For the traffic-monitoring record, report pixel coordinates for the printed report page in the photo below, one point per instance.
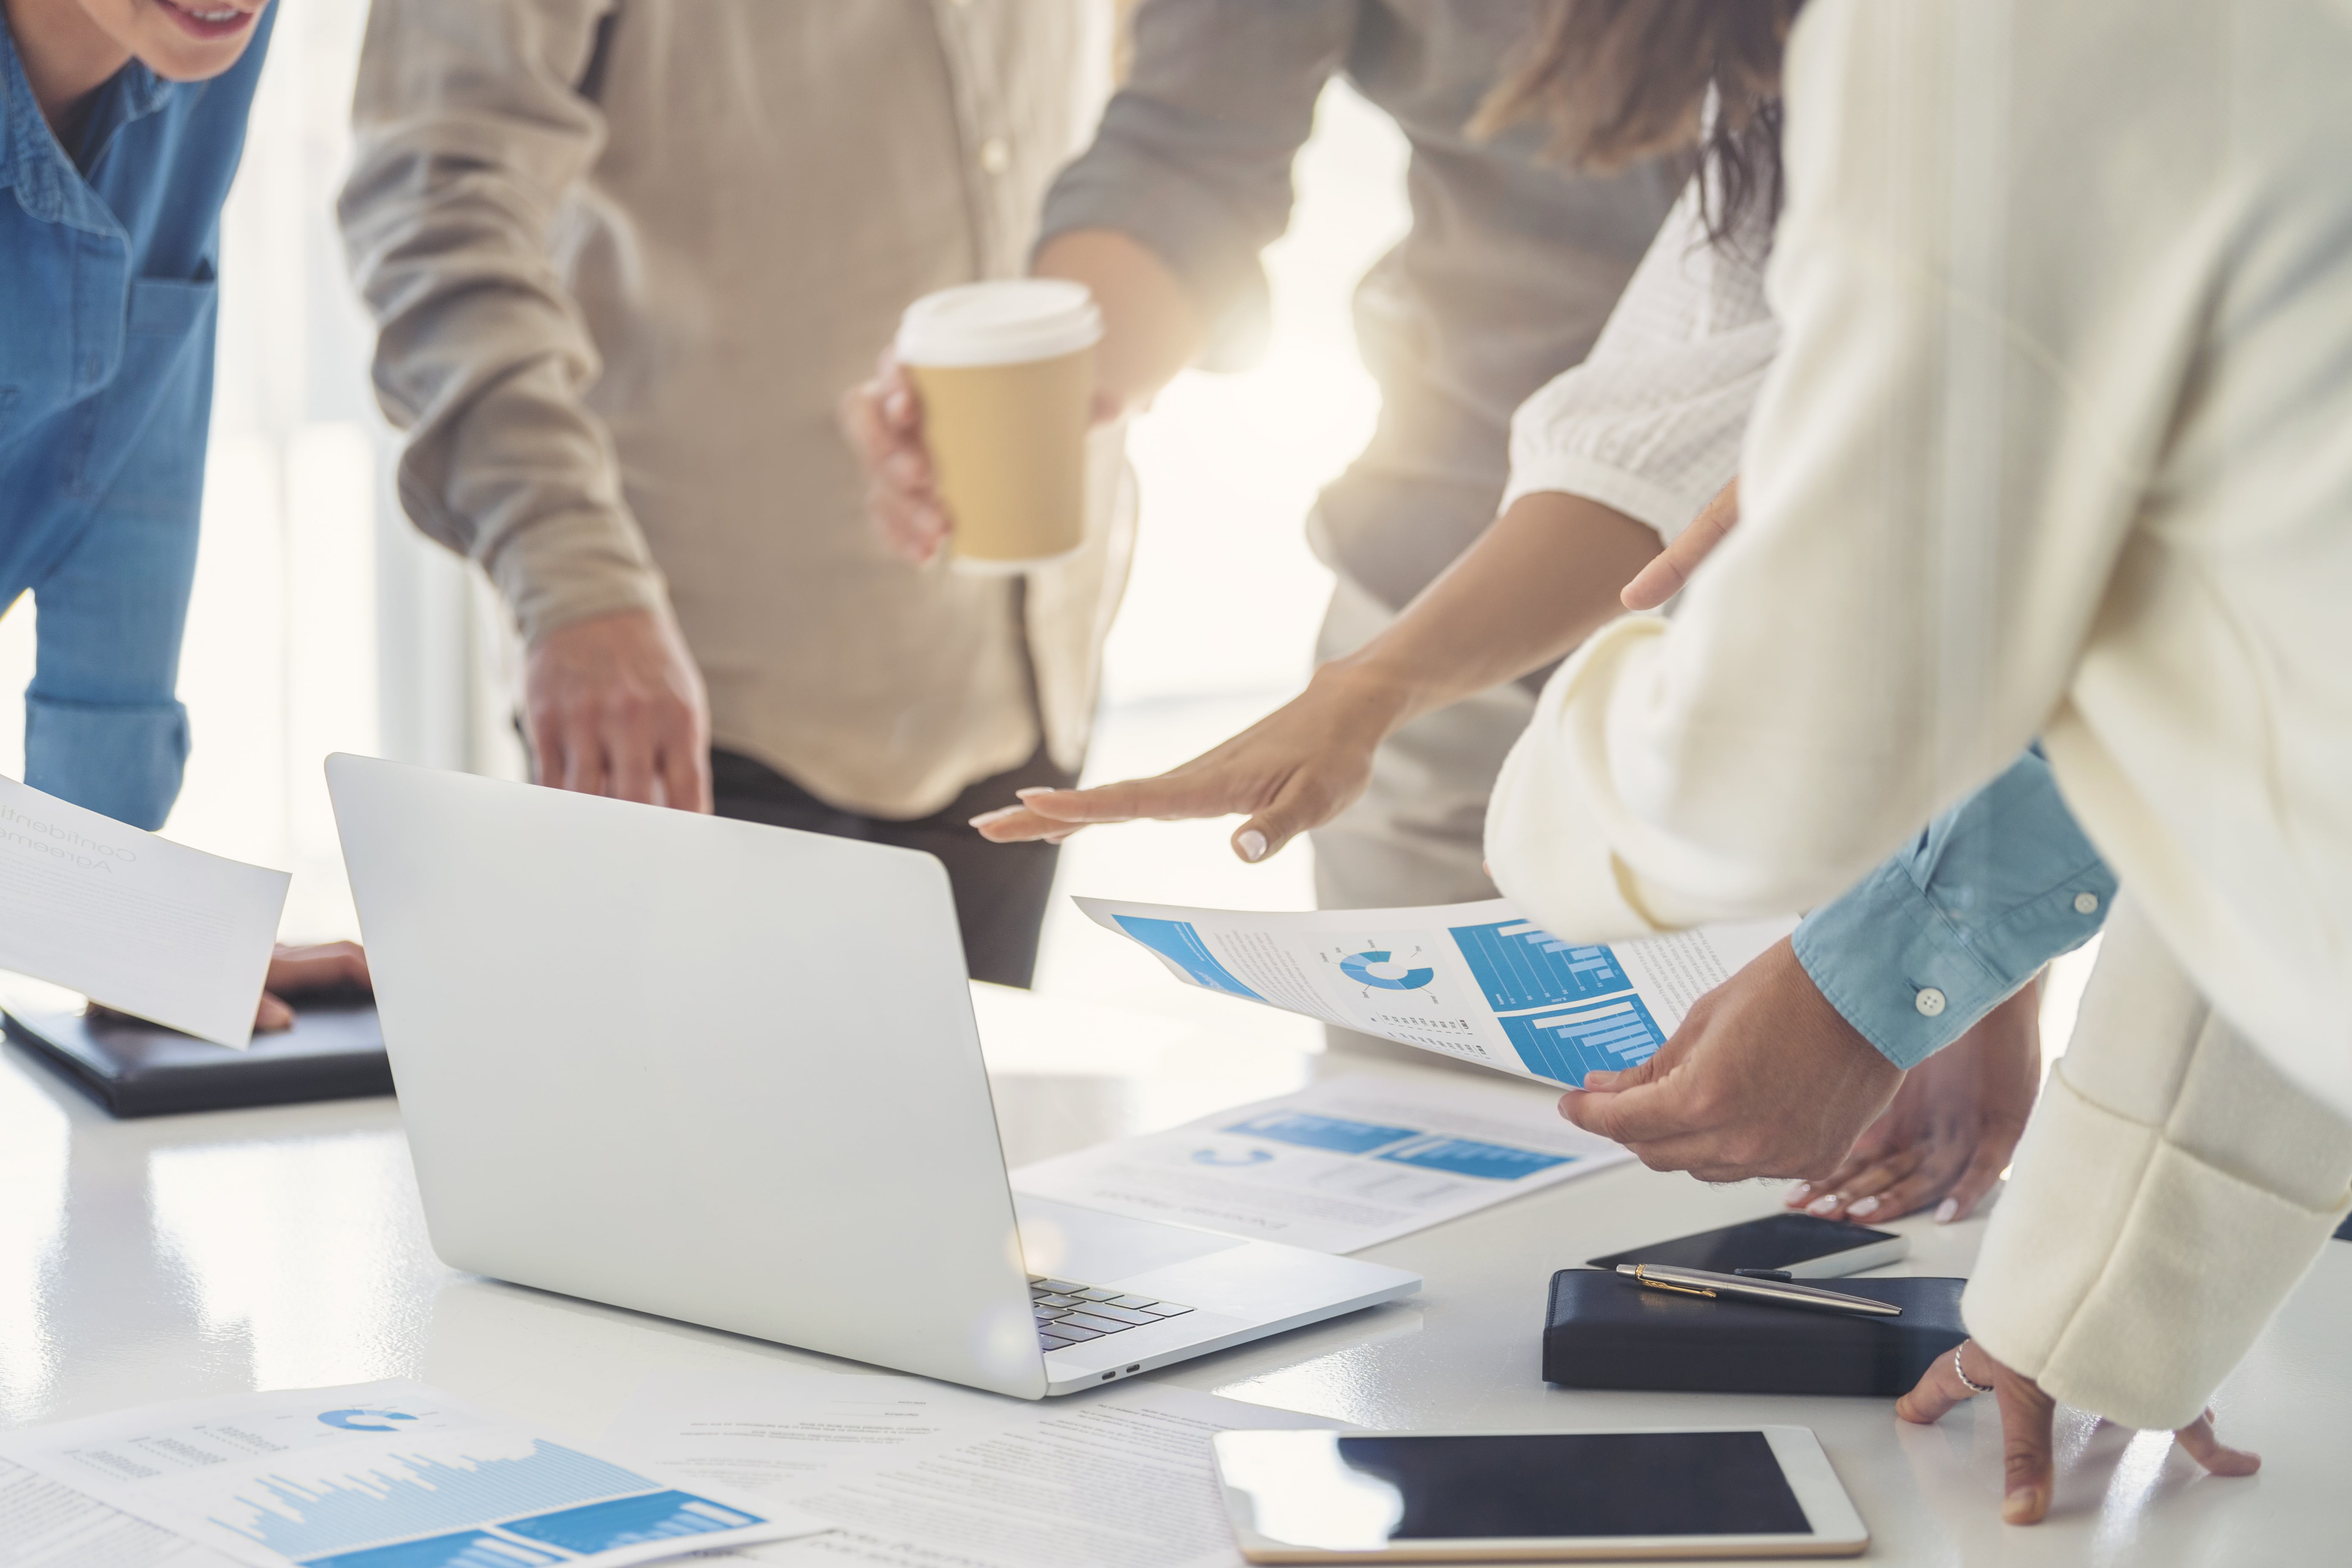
(1473, 982)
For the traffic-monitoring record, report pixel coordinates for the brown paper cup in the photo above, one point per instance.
(1005, 372)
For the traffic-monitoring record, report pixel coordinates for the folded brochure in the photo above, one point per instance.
(1479, 981)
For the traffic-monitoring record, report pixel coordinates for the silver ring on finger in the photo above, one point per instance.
(1970, 1384)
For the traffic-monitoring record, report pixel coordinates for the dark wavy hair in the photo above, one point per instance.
(1620, 81)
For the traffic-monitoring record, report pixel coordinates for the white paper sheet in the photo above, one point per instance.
(1475, 982)
(772, 1432)
(47, 1524)
(366, 1475)
(139, 923)
(1120, 1476)
(1338, 1166)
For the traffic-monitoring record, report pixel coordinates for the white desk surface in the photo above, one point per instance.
(283, 1248)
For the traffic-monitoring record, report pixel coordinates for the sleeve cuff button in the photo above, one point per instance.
(2086, 903)
(1929, 1001)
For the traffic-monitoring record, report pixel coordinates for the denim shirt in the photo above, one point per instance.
(1942, 931)
(108, 251)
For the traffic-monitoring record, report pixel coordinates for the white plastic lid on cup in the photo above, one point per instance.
(1009, 321)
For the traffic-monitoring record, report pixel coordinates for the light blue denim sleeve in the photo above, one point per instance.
(1941, 934)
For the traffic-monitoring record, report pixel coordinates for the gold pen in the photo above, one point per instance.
(1772, 1292)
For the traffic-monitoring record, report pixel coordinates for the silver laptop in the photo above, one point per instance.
(728, 1073)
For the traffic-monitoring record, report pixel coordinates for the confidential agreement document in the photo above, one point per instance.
(775, 1431)
(1118, 1476)
(141, 924)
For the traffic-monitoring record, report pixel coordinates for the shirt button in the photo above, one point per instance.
(1929, 1002)
(2086, 903)
(995, 156)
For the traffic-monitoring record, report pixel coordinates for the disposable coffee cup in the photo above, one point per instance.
(1005, 371)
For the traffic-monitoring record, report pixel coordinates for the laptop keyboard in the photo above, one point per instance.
(1071, 1315)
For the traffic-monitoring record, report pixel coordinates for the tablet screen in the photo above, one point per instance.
(1362, 1493)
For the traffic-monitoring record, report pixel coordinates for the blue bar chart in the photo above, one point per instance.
(1474, 1157)
(1311, 1131)
(1566, 1008)
(418, 1510)
(1565, 1045)
(1520, 965)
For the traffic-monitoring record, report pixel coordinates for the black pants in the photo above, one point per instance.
(999, 889)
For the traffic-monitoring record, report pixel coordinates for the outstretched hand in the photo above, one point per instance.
(1295, 769)
(2027, 1419)
(1763, 1078)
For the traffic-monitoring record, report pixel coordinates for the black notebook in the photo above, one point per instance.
(1605, 1331)
(334, 1051)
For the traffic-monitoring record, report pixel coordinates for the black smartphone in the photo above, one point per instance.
(1798, 1245)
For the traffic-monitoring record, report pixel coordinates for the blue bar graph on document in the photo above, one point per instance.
(1563, 1046)
(398, 1512)
(1520, 965)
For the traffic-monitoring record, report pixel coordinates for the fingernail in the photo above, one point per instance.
(1798, 1194)
(2023, 1506)
(1867, 1206)
(985, 817)
(1036, 789)
(1945, 1210)
(1599, 1078)
(1823, 1204)
(1252, 844)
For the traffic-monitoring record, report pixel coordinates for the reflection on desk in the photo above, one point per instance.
(283, 1248)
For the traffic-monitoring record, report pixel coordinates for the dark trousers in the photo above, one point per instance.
(1001, 890)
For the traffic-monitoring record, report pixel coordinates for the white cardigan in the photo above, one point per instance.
(2058, 442)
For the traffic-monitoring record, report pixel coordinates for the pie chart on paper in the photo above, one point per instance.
(1377, 969)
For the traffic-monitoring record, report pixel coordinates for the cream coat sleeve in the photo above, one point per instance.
(2170, 1190)
(1934, 486)
(472, 135)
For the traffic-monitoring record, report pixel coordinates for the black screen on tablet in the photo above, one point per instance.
(1581, 1484)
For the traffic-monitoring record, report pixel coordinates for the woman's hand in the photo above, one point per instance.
(1950, 1129)
(1297, 768)
(2026, 1416)
(1666, 573)
(298, 970)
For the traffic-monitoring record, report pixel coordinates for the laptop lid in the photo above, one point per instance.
(712, 1069)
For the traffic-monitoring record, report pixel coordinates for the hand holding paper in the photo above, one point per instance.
(136, 922)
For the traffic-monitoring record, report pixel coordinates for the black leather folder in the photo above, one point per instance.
(1605, 1331)
(334, 1051)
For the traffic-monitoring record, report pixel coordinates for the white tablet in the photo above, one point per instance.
(1535, 1497)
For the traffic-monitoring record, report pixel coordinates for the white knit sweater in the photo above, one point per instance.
(2058, 442)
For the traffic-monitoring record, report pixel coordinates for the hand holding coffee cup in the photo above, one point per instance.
(1004, 372)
